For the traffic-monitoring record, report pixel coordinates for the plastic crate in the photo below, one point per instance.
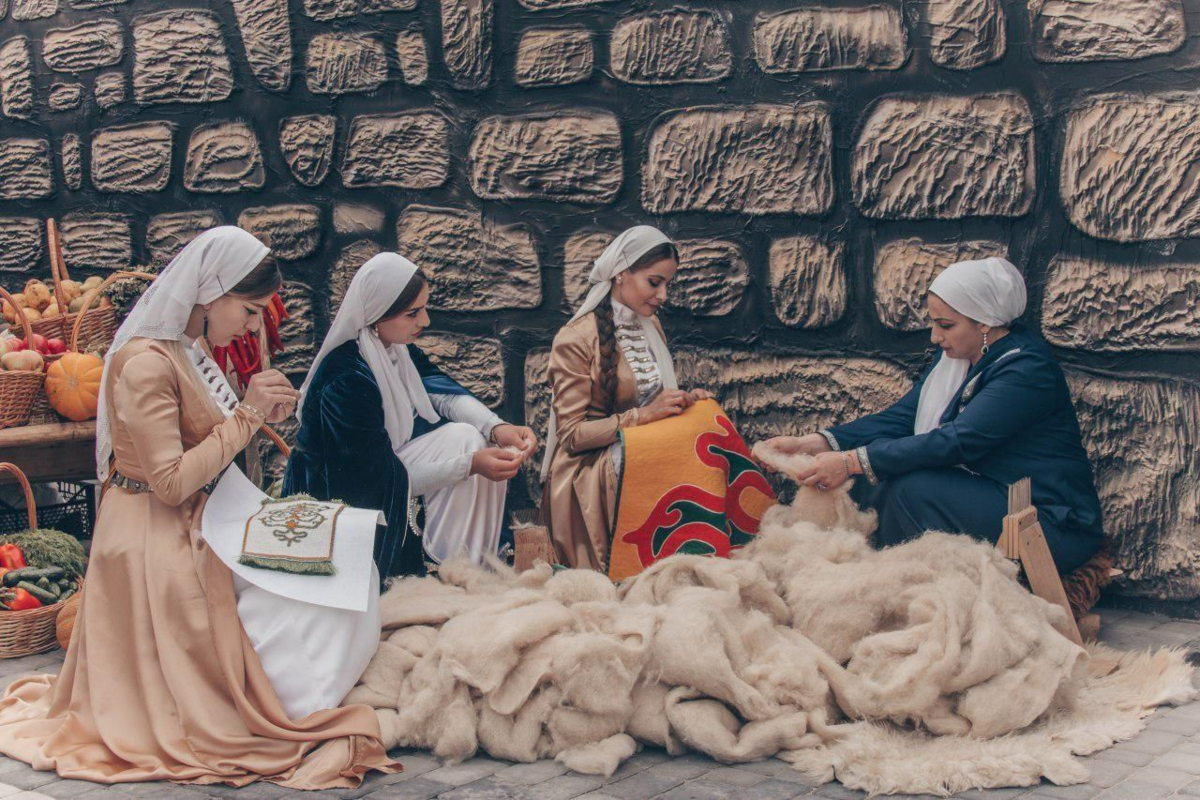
(74, 515)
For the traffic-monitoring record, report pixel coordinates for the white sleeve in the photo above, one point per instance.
(464, 408)
(429, 476)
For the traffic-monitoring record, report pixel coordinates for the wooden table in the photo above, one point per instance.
(61, 451)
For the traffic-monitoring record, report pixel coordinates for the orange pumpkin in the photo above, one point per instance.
(73, 385)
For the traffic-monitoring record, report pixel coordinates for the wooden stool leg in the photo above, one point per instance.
(1043, 574)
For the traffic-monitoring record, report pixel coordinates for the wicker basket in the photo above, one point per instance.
(96, 326)
(24, 633)
(77, 337)
(18, 390)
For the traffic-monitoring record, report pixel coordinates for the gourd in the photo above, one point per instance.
(73, 385)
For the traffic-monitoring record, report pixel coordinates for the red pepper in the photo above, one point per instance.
(19, 600)
(11, 557)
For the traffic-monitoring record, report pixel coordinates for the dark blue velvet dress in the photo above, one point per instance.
(1012, 418)
(343, 451)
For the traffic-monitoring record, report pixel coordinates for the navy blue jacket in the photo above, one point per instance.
(1012, 418)
(343, 451)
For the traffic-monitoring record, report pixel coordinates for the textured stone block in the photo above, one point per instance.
(904, 269)
(555, 5)
(808, 281)
(814, 39)
(1141, 436)
(384, 6)
(223, 157)
(473, 264)
(90, 4)
(1096, 306)
(91, 45)
(945, 158)
(713, 274)
(1104, 30)
(1127, 167)
(467, 42)
(20, 243)
(16, 78)
(409, 149)
(307, 146)
(413, 56)
(352, 257)
(965, 34)
(772, 395)
(325, 10)
(179, 57)
(565, 155)
(267, 38)
(167, 234)
(356, 220)
(133, 158)
(298, 331)
(476, 362)
(96, 241)
(755, 159)
(554, 56)
(27, 10)
(72, 161)
(66, 96)
(671, 47)
(292, 231)
(110, 89)
(344, 63)
(25, 169)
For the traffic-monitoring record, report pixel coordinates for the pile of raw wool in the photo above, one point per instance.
(925, 668)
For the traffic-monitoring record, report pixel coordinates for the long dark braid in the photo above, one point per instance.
(607, 330)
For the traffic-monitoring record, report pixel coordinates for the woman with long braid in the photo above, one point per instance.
(610, 370)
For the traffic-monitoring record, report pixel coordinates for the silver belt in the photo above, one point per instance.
(141, 487)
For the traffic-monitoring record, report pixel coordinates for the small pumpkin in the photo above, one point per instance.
(73, 385)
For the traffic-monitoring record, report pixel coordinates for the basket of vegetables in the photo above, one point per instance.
(40, 570)
(21, 372)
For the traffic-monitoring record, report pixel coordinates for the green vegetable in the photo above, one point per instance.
(31, 574)
(47, 598)
(45, 548)
(66, 595)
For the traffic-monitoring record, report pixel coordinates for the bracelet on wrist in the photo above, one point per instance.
(253, 410)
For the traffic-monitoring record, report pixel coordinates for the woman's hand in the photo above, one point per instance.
(830, 470)
(668, 403)
(271, 392)
(522, 438)
(496, 464)
(701, 394)
(809, 445)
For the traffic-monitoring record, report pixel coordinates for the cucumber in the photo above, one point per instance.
(31, 574)
(44, 583)
(47, 598)
(66, 595)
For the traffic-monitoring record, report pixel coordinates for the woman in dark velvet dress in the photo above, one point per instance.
(381, 425)
(994, 408)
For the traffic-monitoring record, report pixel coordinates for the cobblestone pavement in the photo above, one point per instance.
(1163, 761)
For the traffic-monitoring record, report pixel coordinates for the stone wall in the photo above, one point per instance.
(819, 163)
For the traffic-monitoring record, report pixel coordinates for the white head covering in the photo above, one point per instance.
(372, 291)
(990, 291)
(212, 264)
(620, 255)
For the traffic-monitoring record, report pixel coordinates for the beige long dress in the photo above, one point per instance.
(160, 681)
(581, 490)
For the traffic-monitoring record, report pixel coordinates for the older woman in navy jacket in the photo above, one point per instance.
(992, 409)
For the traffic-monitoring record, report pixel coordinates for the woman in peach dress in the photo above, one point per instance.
(161, 681)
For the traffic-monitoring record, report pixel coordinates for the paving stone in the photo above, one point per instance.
(735, 776)
(23, 776)
(9, 791)
(993, 794)
(1192, 789)
(642, 785)
(1082, 791)
(529, 774)
(486, 789)
(563, 787)
(416, 789)
(67, 789)
(1164, 776)
(1106, 773)
(1134, 790)
(702, 790)
(1184, 726)
(628, 769)
(1182, 761)
(684, 770)
(837, 790)
(1155, 742)
(466, 772)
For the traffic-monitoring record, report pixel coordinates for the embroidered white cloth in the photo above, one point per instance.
(292, 535)
(236, 499)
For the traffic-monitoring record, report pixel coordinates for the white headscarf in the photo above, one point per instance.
(372, 291)
(212, 264)
(620, 255)
(990, 291)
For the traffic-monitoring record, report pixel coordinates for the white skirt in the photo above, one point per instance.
(313, 655)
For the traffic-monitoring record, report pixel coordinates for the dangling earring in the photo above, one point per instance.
(984, 350)
(205, 334)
